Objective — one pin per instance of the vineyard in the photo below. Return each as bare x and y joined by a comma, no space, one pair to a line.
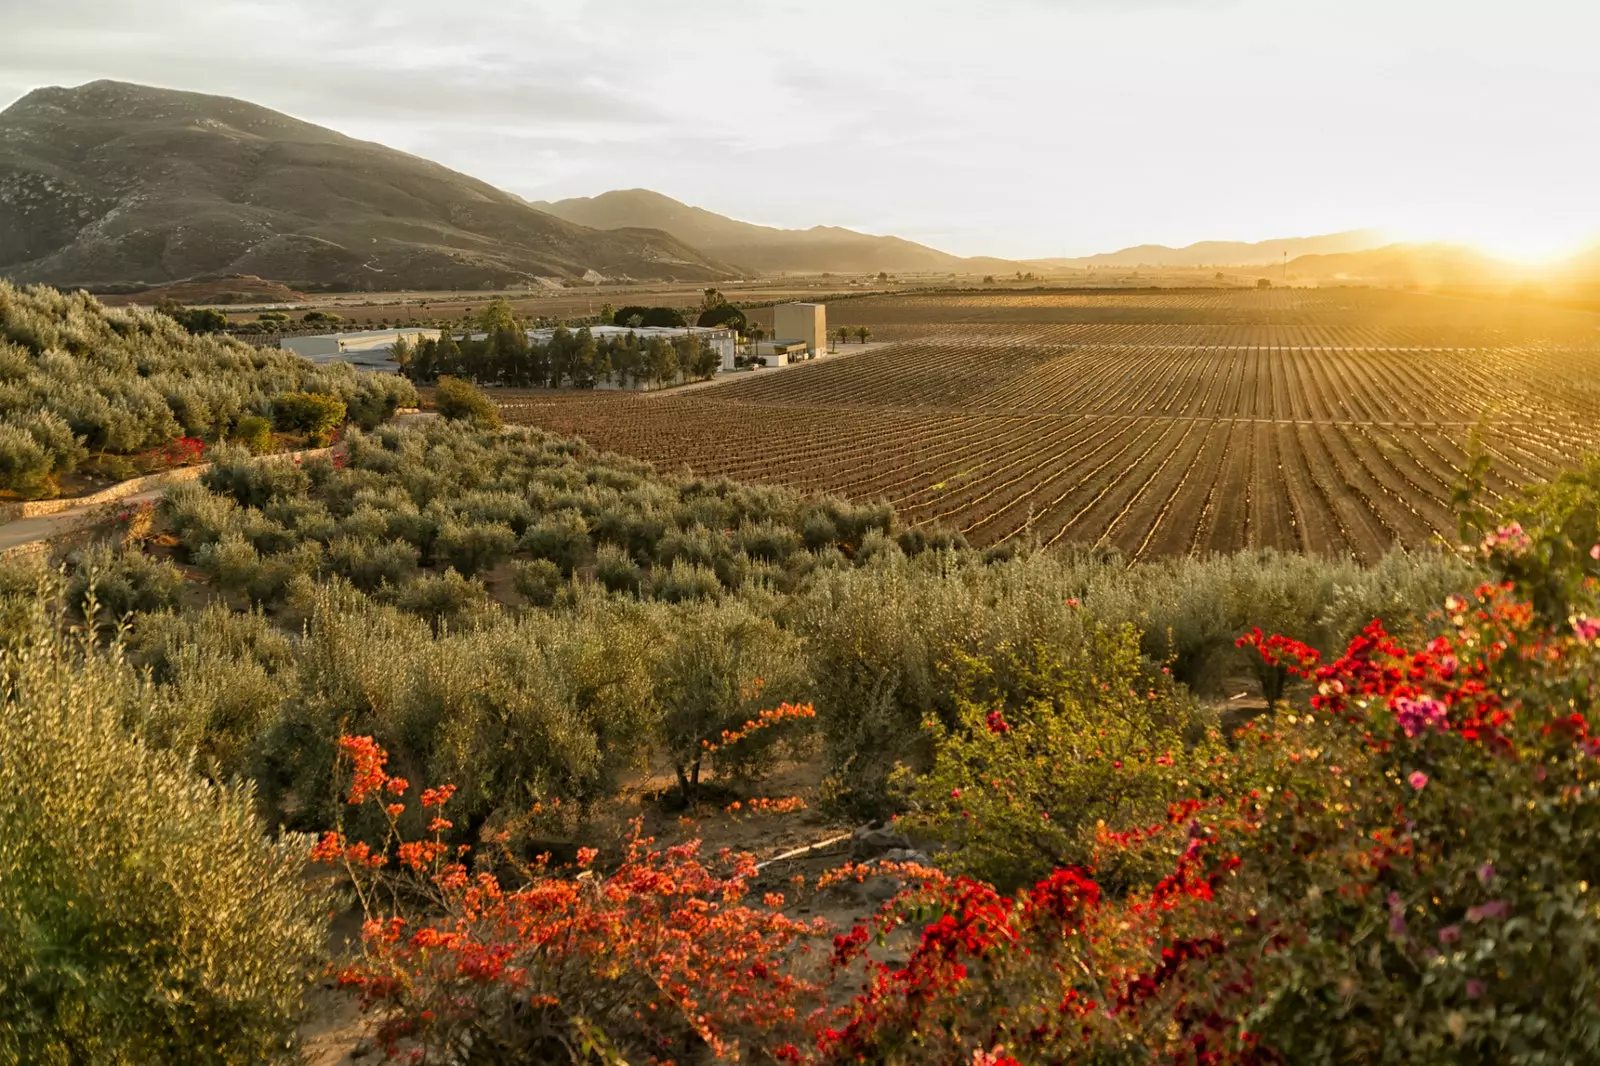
1330,421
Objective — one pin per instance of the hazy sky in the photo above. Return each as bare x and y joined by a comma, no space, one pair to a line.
1005,127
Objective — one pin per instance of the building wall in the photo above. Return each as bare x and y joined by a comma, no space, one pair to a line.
802,322
323,346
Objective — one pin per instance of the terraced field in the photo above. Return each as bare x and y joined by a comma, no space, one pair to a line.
1332,421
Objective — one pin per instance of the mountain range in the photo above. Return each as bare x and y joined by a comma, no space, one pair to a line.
116,183
111,184
1226,253
765,249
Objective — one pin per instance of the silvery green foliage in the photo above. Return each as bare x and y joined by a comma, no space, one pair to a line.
77,376
145,915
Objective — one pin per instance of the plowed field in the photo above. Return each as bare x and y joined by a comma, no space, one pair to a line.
1332,420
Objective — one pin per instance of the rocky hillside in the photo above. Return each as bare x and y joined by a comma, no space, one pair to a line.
112,183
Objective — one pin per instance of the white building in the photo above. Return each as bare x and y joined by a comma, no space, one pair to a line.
366,349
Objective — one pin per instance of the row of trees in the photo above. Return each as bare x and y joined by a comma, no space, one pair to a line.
501,352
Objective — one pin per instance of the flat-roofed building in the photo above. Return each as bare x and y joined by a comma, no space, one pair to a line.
802,322
366,349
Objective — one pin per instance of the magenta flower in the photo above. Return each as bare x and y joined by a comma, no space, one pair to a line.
1415,716
1486,873
1418,780
1585,628
1495,909
1450,934
1475,989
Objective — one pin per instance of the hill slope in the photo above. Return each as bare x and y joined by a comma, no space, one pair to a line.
111,182
765,249
1226,253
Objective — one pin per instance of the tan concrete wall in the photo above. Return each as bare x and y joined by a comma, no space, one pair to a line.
802,322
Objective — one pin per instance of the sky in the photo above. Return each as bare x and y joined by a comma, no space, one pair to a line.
1018,128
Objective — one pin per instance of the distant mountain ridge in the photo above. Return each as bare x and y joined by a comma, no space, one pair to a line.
764,249
1226,253
111,182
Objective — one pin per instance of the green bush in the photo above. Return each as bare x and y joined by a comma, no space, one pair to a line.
461,401
314,414
1031,771
474,547
562,538
721,665
144,914
614,569
25,464
254,432
539,581
121,582
253,482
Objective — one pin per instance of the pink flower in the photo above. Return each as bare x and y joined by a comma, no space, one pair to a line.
1585,628
1475,989
1594,552
1414,716
1495,909
1450,934
1511,538
1418,780
1486,873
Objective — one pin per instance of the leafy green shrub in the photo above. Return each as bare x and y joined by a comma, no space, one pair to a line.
231,562
370,563
446,601
614,569
254,432
314,414
474,547
562,538
122,582
25,464
721,666
685,581
253,482
462,401
144,914
539,581
1031,772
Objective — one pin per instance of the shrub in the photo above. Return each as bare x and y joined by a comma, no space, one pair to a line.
474,547
721,664
562,538
1025,779
253,482
446,601
144,915
254,432
314,414
616,571
683,582
538,581
370,563
461,401
25,464
663,952
121,582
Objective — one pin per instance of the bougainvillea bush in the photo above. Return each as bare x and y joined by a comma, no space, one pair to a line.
1396,871
661,958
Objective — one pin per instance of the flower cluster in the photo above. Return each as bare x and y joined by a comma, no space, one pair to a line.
767,719
658,955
